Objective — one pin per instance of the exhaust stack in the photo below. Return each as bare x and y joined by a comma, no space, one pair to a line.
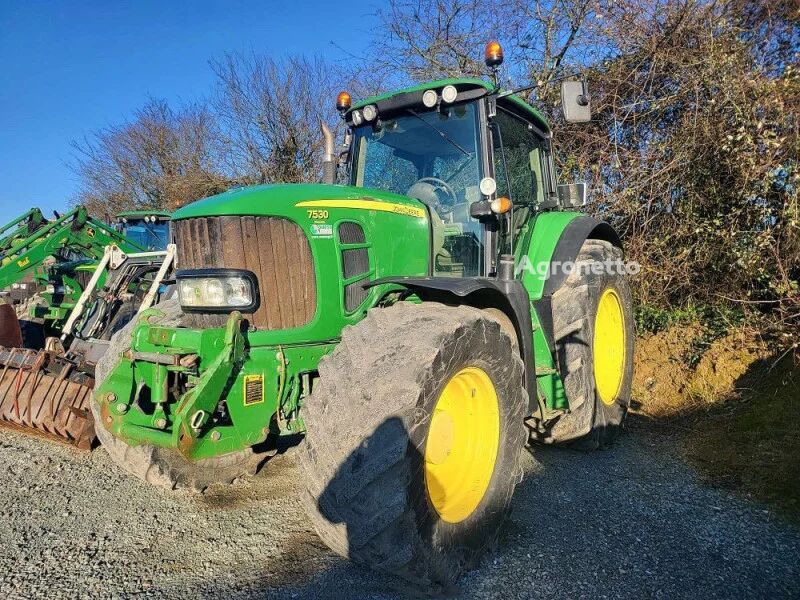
329,158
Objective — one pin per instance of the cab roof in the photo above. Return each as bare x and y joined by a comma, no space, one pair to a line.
462,84
144,213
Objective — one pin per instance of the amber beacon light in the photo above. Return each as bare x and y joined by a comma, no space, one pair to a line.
343,101
493,55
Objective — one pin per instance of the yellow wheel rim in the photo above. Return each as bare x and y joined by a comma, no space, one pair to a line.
462,443
609,347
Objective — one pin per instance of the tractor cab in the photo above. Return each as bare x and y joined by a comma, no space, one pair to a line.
478,157
149,229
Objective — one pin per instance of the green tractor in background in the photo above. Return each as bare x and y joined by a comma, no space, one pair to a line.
47,264
63,282
146,228
402,322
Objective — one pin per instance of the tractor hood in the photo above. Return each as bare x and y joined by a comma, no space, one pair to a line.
296,200
312,248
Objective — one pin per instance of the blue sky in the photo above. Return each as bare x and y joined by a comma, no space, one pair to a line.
69,68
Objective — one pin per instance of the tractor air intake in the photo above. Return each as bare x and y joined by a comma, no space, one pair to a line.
275,249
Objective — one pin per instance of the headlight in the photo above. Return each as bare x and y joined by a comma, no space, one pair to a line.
217,290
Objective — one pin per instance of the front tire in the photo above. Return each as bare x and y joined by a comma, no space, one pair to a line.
414,433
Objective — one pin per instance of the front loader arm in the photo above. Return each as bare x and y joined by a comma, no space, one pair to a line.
75,231
24,225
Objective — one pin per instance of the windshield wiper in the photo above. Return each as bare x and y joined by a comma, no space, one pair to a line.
439,131
153,235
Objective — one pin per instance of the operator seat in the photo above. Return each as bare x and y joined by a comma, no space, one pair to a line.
443,260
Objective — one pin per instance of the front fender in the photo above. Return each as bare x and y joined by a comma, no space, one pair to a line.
483,292
556,237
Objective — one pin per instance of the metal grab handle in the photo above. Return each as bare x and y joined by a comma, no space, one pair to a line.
151,293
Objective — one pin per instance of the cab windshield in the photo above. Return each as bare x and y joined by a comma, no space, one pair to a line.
153,236
432,156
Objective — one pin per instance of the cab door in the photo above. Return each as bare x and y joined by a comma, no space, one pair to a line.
523,171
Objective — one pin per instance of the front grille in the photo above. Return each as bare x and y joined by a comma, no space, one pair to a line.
355,263
275,249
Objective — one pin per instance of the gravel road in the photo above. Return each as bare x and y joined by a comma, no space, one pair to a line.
639,523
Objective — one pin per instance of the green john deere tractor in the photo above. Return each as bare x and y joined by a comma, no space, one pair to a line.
402,321
146,228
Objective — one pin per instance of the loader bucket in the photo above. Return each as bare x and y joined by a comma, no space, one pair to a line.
41,393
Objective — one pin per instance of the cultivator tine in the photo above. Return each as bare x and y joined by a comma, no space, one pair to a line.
36,399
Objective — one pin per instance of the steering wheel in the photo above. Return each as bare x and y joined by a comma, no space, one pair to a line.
440,184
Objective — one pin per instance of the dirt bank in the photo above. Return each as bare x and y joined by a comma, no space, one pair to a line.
737,404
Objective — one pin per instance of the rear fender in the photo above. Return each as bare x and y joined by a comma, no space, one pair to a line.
553,239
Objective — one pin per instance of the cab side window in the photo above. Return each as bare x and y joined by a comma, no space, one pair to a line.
522,156
519,167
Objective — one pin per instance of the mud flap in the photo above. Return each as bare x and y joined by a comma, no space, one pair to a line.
41,394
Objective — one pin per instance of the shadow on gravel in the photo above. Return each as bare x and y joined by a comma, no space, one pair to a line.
633,522
750,444
269,482
744,439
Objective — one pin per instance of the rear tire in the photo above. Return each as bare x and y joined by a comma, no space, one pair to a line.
367,457
165,467
591,423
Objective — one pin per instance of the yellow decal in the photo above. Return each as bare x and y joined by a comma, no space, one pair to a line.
253,389
316,214
392,207
24,262
90,232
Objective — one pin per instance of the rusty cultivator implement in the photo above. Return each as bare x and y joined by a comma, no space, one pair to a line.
49,391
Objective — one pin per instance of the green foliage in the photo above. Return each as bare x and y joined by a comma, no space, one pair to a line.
652,319
716,318
716,322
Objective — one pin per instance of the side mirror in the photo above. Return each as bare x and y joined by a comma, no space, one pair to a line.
575,102
482,209
573,195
